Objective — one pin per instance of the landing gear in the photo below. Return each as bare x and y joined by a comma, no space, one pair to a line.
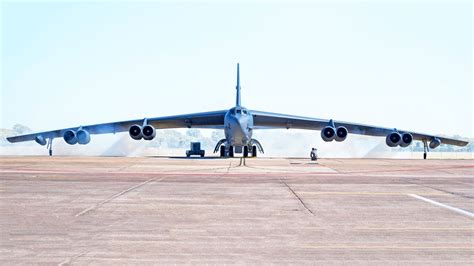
50,147
222,151
246,151
425,149
254,151
231,151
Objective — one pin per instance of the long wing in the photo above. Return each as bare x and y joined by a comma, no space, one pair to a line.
273,120
213,119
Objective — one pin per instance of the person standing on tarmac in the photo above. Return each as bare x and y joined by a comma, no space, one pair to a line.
313,154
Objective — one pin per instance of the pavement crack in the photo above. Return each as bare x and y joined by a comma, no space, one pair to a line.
297,196
73,258
123,192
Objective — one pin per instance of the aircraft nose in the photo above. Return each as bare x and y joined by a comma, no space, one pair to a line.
243,128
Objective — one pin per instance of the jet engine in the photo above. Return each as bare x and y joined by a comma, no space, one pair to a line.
341,133
70,137
435,142
83,137
328,133
135,132
407,139
40,140
148,132
393,139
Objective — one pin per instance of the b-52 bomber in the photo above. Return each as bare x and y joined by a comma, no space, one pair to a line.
238,124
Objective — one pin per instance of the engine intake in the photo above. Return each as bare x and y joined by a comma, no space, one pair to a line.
328,133
393,139
434,143
83,137
70,137
407,139
135,132
148,132
341,133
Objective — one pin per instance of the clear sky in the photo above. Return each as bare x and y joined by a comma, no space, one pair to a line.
400,65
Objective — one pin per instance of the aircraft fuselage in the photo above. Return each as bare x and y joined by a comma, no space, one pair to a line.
238,126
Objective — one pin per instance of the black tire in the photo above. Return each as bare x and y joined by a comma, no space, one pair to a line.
231,151
222,151
424,156
254,151
246,151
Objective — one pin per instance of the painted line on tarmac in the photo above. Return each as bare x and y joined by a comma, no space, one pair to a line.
363,193
454,209
374,247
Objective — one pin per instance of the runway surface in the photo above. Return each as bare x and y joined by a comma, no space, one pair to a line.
63,210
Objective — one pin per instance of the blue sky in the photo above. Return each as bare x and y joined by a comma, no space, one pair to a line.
400,65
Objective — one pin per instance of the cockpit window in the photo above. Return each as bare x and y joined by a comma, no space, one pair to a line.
238,111
244,111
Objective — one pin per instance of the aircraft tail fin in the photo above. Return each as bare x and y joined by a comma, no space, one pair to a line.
238,87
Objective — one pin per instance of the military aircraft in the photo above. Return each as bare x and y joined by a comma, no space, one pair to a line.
238,124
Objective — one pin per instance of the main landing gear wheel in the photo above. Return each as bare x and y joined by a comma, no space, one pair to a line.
254,151
246,151
222,151
231,151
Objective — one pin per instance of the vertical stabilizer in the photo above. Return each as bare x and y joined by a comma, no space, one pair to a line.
237,102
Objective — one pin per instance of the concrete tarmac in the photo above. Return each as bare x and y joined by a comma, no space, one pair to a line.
103,210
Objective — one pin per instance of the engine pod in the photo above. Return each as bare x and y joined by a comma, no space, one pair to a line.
393,139
70,137
148,132
341,133
328,133
434,143
407,139
135,132
83,137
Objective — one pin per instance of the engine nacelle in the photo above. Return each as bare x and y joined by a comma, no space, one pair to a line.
434,143
328,133
40,140
148,132
135,132
341,133
83,137
407,139
70,137
393,139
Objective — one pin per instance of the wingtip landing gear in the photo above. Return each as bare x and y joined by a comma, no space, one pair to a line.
50,147
425,149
